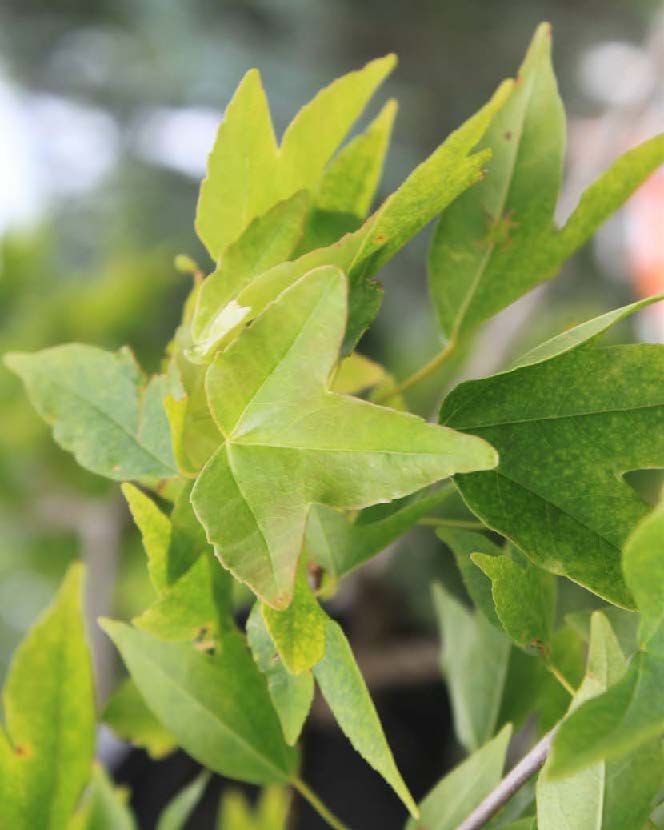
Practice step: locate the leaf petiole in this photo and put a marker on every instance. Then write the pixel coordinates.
(309, 795)
(468, 524)
(423, 372)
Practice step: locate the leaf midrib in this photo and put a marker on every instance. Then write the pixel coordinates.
(75, 393)
(266, 762)
(543, 418)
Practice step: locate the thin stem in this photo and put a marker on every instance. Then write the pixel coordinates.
(318, 805)
(434, 521)
(528, 766)
(423, 372)
(560, 677)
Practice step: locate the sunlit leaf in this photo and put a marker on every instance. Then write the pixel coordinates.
(47, 745)
(101, 409)
(216, 706)
(290, 443)
(346, 693)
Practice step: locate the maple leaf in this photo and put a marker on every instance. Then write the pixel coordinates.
(290, 442)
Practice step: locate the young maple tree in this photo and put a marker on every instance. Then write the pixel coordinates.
(271, 438)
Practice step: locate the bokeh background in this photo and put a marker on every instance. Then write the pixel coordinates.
(107, 111)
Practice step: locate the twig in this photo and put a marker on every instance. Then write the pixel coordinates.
(528, 766)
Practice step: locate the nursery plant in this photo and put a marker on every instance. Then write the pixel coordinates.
(270, 457)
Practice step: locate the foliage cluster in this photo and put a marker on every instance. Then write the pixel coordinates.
(270, 454)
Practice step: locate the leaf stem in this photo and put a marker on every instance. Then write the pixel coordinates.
(434, 521)
(423, 372)
(528, 766)
(309, 795)
(560, 677)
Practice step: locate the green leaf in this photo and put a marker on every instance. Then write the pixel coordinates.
(346, 693)
(499, 239)
(101, 409)
(567, 654)
(47, 745)
(155, 529)
(290, 443)
(524, 596)
(104, 806)
(187, 608)
(176, 813)
(130, 718)
(475, 660)
(631, 712)
(194, 590)
(357, 373)
(558, 492)
(340, 544)
(216, 706)
(298, 632)
(643, 566)
(613, 795)
(266, 242)
(248, 173)
(292, 695)
(360, 254)
(463, 543)
(457, 794)
(349, 184)
(240, 168)
(270, 813)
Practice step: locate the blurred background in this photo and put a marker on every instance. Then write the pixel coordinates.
(108, 109)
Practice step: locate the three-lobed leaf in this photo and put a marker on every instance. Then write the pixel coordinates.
(127, 714)
(499, 239)
(568, 421)
(290, 443)
(248, 172)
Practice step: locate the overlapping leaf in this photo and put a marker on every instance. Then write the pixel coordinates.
(101, 409)
(630, 713)
(499, 239)
(292, 695)
(455, 797)
(432, 186)
(194, 591)
(104, 806)
(290, 443)
(606, 795)
(475, 659)
(346, 694)
(216, 706)
(340, 544)
(130, 718)
(524, 597)
(568, 421)
(47, 745)
(248, 172)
